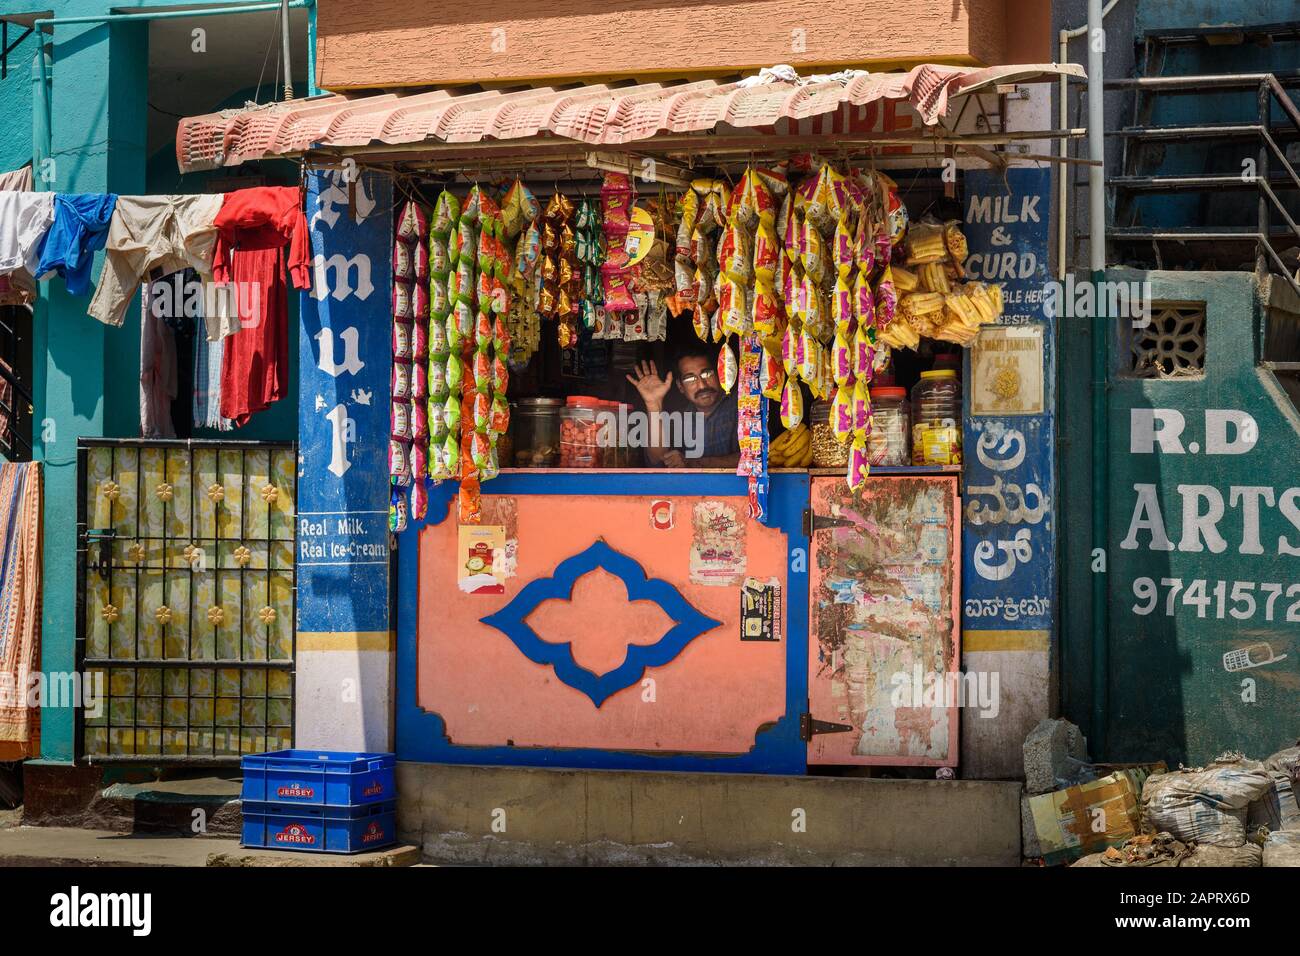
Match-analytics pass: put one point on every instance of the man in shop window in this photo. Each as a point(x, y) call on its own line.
point(702, 436)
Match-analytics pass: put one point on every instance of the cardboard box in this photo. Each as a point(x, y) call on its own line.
point(1089, 818)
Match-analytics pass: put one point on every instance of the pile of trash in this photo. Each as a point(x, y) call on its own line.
point(1232, 812)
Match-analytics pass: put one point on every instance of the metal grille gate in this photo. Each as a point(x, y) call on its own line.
point(186, 598)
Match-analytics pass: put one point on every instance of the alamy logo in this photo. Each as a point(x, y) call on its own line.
point(75, 909)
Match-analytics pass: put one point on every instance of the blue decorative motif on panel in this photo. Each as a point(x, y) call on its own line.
point(688, 622)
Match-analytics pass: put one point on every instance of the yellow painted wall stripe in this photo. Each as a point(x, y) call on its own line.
point(345, 641)
point(1004, 641)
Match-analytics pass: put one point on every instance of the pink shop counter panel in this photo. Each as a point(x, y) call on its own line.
point(604, 622)
point(884, 639)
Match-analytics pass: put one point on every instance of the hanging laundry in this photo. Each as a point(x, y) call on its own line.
point(254, 226)
point(17, 179)
point(158, 383)
point(155, 235)
point(25, 218)
point(207, 383)
point(20, 605)
point(80, 229)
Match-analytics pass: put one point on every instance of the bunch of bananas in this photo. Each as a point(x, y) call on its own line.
point(791, 449)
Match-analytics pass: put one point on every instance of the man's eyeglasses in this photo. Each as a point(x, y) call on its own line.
point(708, 375)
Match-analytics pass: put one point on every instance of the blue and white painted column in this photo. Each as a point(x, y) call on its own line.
point(344, 646)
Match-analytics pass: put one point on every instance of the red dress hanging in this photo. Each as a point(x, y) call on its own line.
point(253, 227)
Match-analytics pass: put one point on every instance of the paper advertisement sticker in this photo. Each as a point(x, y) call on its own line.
point(481, 559)
point(760, 610)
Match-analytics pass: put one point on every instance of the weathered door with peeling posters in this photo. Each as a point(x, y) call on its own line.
point(609, 620)
point(883, 623)
point(186, 605)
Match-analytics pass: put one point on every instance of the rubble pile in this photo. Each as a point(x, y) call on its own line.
point(1233, 812)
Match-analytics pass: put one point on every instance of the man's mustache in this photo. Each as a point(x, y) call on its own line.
point(706, 391)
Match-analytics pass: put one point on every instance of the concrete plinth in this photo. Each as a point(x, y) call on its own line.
point(485, 815)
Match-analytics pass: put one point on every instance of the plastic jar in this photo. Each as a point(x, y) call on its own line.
point(536, 426)
point(579, 431)
point(891, 426)
point(936, 418)
point(827, 451)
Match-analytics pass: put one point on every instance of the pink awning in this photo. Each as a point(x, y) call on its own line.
point(596, 115)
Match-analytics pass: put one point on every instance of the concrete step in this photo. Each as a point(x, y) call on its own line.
point(70, 846)
point(193, 806)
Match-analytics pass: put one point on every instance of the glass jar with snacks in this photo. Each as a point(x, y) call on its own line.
point(936, 418)
point(891, 426)
point(827, 450)
point(536, 424)
point(579, 433)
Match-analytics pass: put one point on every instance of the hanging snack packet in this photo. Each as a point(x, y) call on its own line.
point(455, 374)
point(812, 253)
point(402, 300)
point(403, 263)
point(482, 406)
point(499, 422)
point(771, 377)
point(842, 413)
point(864, 352)
point(728, 370)
point(766, 252)
point(842, 307)
point(842, 360)
point(400, 420)
point(886, 300)
point(767, 310)
point(401, 379)
point(843, 249)
point(482, 370)
point(399, 461)
point(859, 464)
point(419, 381)
point(861, 409)
point(446, 210)
point(437, 378)
point(396, 511)
point(412, 221)
point(402, 339)
point(791, 403)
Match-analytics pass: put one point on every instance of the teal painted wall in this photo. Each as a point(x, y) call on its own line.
point(86, 376)
point(1171, 697)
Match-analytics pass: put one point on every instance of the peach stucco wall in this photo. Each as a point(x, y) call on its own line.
point(392, 43)
point(713, 697)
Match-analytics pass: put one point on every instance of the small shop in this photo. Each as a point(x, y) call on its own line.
point(661, 398)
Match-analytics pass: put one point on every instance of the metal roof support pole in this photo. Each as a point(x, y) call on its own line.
point(284, 33)
point(1100, 382)
point(229, 9)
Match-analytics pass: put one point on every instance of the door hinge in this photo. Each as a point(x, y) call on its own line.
point(809, 727)
point(105, 538)
point(815, 522)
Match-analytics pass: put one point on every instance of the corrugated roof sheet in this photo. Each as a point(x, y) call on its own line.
point(597, 115)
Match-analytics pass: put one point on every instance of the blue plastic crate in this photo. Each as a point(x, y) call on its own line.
point(321, 778)
point(320, 829)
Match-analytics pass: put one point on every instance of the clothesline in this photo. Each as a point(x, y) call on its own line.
point(236, 239)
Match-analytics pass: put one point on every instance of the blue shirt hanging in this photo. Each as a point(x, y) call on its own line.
point(80, 228)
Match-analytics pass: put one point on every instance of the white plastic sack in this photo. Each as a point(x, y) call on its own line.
point(1205, 806)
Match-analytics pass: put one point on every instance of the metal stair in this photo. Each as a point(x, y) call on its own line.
point(1273, 177)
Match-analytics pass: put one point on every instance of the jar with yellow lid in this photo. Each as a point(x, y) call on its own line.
point(936, 418)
